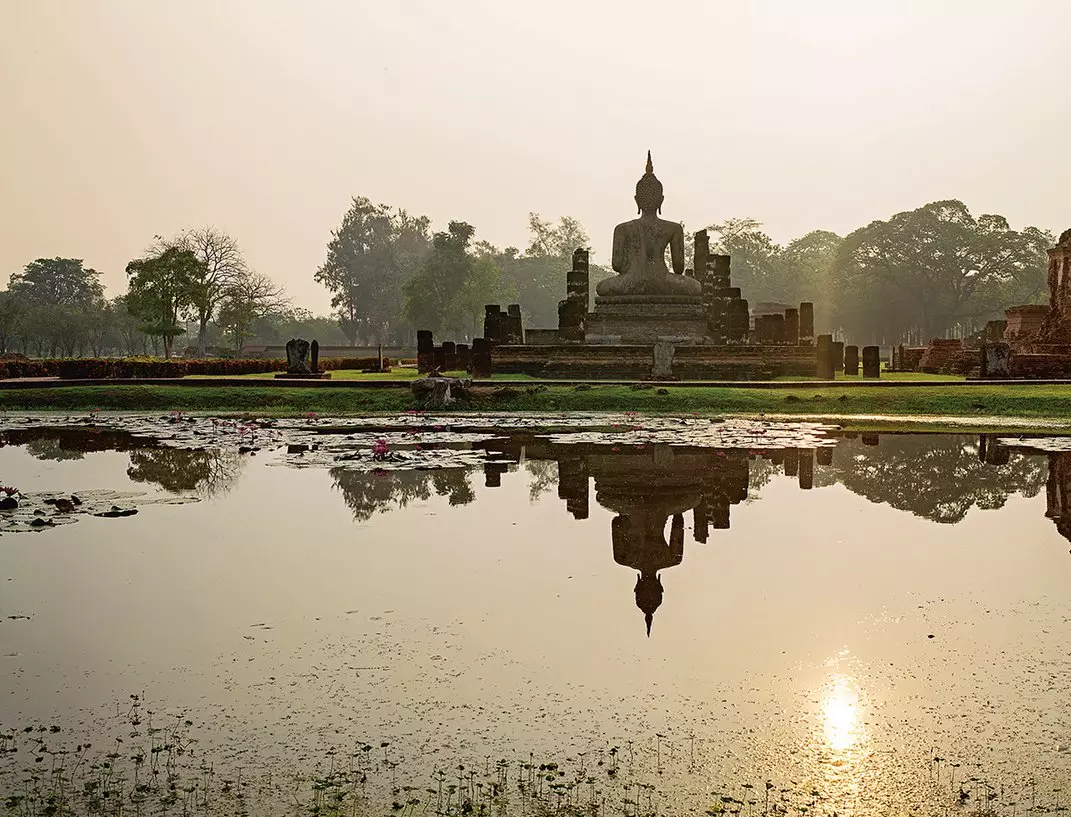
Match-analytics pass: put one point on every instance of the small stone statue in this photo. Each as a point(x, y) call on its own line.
point(639, 253)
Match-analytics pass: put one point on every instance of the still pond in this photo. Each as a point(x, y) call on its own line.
point(592, 615)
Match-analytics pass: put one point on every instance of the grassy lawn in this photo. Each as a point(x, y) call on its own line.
point(976, 401)
point(397, 373)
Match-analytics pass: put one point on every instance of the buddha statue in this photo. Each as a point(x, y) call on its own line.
point(639, 252)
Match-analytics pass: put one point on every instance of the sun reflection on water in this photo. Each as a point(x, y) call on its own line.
point(840, 711)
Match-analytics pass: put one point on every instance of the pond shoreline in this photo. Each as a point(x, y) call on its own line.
point(979, 407)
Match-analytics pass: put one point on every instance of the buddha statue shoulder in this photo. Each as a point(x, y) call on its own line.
point(639, 252)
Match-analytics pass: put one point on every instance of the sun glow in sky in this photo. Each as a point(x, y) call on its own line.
point(125, 119)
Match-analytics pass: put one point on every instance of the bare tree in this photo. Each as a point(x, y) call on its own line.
point(222, 266)
point(251, 296)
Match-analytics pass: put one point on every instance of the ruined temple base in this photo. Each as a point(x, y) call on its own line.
point(303, 375)
point(586, 361)
point(642, 319)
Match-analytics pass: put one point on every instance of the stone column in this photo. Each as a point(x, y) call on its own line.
point(492, 474)
point(481, 358)
point(573, 311)
point(870, 438)
point(838, 356)
point(700, 522)
point(440, 358)
point(851, 360)
point(871, 361)
point(792, 327)
point(806, 458)
point(825, 357)
point(806, 323)
point(425, 345)
point(824, 455)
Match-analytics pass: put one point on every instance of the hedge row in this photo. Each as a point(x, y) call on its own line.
point(134, 367)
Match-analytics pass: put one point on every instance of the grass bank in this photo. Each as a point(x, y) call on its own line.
point(1041, 401)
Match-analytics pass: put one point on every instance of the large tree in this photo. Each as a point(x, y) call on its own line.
point(937, 269)
point(160, 291)
point(448, 291)
point(368, 259)
point(221, 266)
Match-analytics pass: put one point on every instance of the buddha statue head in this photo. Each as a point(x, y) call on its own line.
point(649, 196)
point(648, 596)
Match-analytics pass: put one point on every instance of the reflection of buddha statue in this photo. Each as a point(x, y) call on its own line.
point(640, 543)
point(639, 254)
point(646, 303)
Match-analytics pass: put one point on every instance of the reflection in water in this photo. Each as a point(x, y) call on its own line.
point(367, 494)
point(209, 472)
point(840, 712)
point(206, 471)
point(1058, 493)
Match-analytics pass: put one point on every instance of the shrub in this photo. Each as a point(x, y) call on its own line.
point(91, 368)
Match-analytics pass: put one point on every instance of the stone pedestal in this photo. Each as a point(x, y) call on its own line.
point(871, 361)
point(851, 360)
point(642, 319)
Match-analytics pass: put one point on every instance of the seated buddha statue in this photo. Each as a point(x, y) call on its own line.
point(639, 254)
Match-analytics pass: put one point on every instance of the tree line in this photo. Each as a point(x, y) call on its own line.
point(930, 272)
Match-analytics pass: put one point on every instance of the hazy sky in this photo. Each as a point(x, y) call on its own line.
point(122, 119)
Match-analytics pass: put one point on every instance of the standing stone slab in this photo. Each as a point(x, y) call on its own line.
point(825, 357)
point(996, 360)
point(314, 351)
point(297, 356)
point(871, 361)
point(851, 360)
point(449, 356)
point(662, 366)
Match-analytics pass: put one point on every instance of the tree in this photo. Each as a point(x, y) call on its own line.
point(12, 313)
point(758, 266)
point(933, 270)
point(448, 291)
point(536, 278)
point(161, 289)
point(221, 266)
point(368, 258)
point(56, 282)
point(251, 297)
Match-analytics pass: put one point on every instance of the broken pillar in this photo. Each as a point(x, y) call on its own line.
point(825, 357)
point(449, 356)
point(838, 356)
point(792, 327)
point(481, 358)
point(425, 346)
point(493, 320)
point(806, 323)
point(514, 330)
point(996, 359)
point(871, 361)
point(464, 357)
point(851, 360)
point(573, 311)
point(824, 455)
point(806, 466)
